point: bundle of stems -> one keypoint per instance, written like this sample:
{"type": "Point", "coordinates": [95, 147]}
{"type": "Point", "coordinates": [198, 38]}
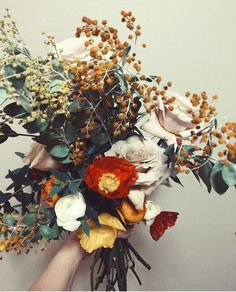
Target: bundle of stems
{"type": "Point", "coordinates": [114, 264]}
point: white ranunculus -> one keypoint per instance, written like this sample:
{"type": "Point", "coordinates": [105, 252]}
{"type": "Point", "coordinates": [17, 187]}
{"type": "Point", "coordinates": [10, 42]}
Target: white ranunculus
{"type": "Point", "coordinates": [148, 158]}
{"type": "Point", "coordinates": [68, 209]}
{"type": "Point", "coordinates": [166, 124]}
{"type": "Point", "coordinates": [152, 211]}
{"type": "Point", "coordinates": [137, 198]}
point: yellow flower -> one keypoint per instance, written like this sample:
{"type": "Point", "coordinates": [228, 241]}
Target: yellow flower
{"type": "Point", "coordinates": [103, 236]}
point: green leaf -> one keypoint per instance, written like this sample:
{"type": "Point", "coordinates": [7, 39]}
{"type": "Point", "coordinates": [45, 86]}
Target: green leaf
{"type": "Point", "coordinates": [85, 227]}
{"type": "Point", "coordinates": [55, 189]}
{"type": "Point", "coordinates": [100, 139]}
{"type": "Point", "coordinates": [37, 126]}
{"type": "Point", "coordinates": [60, 175]}
{"type": "Point", "coordinates": [229, 174]}
{"type": "Point", "coordinates": [74, 185]}
{"type": "Point", "coordinates": [25, 103]}
{"type": "Point", "coordinates": [71, 133]}
{"type": "Point", "coordinates": [10, 220]}
{"type": "Point", "coordinates": [60, 151]}
{"type": "Point", "coordinates": [55, 85]}
{"type": "Point", "coordinates": [20, 154]}
{"type": "Point", "coordinates": [217, 180]}
{"type": "Point", "coordinates": [57, 65]}
{"type": "Point", "coordinates": [4, 197]}
{"type": "Point", "coordinates": [14, 110]}
{"type": "Point", "coordinates": [3, 95]}
{"type": "Point", "coordinates": [204, 173]}
{"type": "Point", "coordinates": [49, 137]}
{"type": "Point", "coordinates": [30, 219]}
{"type": "Point", "coordinates": [49, 214]}
{"type": "Point", "coordinates": [47, 232]}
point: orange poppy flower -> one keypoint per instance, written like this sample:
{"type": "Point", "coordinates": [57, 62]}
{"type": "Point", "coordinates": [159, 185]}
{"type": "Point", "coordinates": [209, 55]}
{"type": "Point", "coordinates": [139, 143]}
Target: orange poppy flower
{"type": "Point", "coordinates": [111, 177]}
{"type": "Point", "coordinates": [46, 189]}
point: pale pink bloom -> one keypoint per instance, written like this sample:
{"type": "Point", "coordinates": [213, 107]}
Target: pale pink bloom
{"type": "Point", "coordinates": [166, 124]}
{"type": "Point", "coordinates": [40, 159]}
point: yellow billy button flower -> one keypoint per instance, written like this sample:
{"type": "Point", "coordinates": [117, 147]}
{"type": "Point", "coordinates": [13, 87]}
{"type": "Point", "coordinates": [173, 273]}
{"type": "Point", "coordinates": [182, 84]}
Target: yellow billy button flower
{"type": "Point", "coordinates": [103, 236]}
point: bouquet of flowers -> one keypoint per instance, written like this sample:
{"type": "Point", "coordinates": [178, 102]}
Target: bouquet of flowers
{"type": "Point", "coordinates": [106, 136]}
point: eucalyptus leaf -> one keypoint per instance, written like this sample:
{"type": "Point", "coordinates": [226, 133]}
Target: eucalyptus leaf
{"type": "Point", "coordinates": [70, 132]}
{"type": "Point", "coordinates": [48, 232]}
{"type": "Point", "coordinates": [3, 95]}
{"type": "Point", "coordinates": [14, 110]}
{"type": "Point", "coordinates": [30, 219]}
{"type": "Point", "coordinates": [4, 197]}
{"type": "Point", "coordinates": [55, 189]}
{"type": "Point", "coordinates": [10, 220]}
{"type": "Point", "coordinates": [85, 227]}
{"type": "Point", "coordinates": [204, 173]}
{"type": "Point", "coordinates": [25, 103]}
{"type": "Point", "coordinates": [20, 154]}
{"type": "Point", "coordinates": [60, 151]}
{"type": "Point", "coordinates": [216, 179]}
{"type": "Point", "coordinates": [56, 85]}
{"type": "Point", "coordinates": [74, 185]}
{"type": "Point", "coordinates": [37, 126]}
{"type": "Point", "coordinates": [60, 175]}
{"type": "Point", "coordinates": [229, 174]}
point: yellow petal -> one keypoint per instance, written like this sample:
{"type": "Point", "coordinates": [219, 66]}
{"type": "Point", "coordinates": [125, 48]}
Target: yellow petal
{"type": "Point", "coordinates": [109, 220]}
{"type": "Point", "coordinates": [103, 236]}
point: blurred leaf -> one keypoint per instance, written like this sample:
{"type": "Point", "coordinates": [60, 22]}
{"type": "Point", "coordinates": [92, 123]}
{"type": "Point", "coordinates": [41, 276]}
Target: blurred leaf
{"type": "Point", "coordinates": [229, 174]}
{"type": "Point", "coordinates": [49, 137]}
{"type": "Point", "coordinates": [85, 227]}
{"type": "Point", "coordinates": [56, 85]}
{"type": "Point", "coordinates": [70, 132]}
{"type": "Point", "coordinates": [59, 120]}
{"type": "Point", "coordinates": [60, 175]}
{"type": "Point", "coordinates": [3, 95]}
{"type": "Point", "coordinates": [25, 103]}
{"type": "Point", "coordinates": [14, 110]}
{"type": "Point", "coordinates": [57, 65]}
{"type": "Point", "coordinates": [60, 151]}
{"type": "Point", "coordinates": [20, 154]}
{"type": "Point", "coordinates": [47, 232]}
{"type": "Point", "coordinates": [10, 220]}
{"type": "Point", "coordinates": [204, 173]}
{"type": "Point", "coordinates": [30, 219]}
{"type": "Point", "coordinates": [55, 189]}
{"type": "Point", "coordinates": [126, 52]}
{"type": "Point", "coordinates": [74, 106]}
{"type": "Point", "coordinates": [37, 126]}
{"type": "Point", "coordinates": [74, 185]}
{"type": "Point", "coordinates": [49, 214]}
{"type": "Point", "coordinates": [4, 197]}
{"type": "Point", "coordinates": [216, 179]}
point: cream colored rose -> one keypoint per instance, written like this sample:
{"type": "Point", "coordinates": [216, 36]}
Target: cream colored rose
{"type": "Point", "coordinates": [68, 209]}
{"type": "Point", "coordinates": [40, 159]}
{"type": "Point", "coordinates": [152, 211]}
{"type": "Point", "coordinates": [166, 124]}
{"type": "Point", "coordinates": [74, 49]}
{"type": "Point", "coordinates": [148, 158]}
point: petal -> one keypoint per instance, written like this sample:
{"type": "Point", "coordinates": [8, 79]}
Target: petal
{"type": "Point", "coordinates": [103, 236]}
{"type": "Point", "coordinates": [70, 226]}
{"type": "Point", "coordinates": [137, 198]}
{"type": "Point", "coordinates": [111, 221]}
{"type": "Point", "coordinates": [152, 210]}
{"type": "Point", "coordinates": [153, 127]}
{"type": "Point", "coordinates": [162, 222]}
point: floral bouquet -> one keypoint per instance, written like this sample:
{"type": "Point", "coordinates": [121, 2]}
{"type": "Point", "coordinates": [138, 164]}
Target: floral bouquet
{"type": "Point", "coordinates": [106, 136]}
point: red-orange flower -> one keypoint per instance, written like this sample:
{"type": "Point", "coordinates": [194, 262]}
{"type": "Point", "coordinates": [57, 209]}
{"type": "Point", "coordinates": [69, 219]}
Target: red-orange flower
{"type": "Point", "coordinates": [46, 189]}
{"type": "Point", "coordinates": [111, 177]}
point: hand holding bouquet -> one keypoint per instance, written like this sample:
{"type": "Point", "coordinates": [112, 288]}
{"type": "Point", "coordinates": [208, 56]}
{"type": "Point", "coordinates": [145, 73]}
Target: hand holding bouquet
{"type": "Point", "coordinates": [105, 137]}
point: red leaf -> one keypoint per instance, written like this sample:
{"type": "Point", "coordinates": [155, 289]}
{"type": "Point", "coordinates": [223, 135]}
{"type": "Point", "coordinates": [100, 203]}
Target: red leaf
{"type": "Point", "coordinates": [162, 221]}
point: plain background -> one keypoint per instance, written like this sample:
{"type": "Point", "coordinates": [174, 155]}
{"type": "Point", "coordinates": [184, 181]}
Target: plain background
{"type": "Point", "coordinates": [192, 43]}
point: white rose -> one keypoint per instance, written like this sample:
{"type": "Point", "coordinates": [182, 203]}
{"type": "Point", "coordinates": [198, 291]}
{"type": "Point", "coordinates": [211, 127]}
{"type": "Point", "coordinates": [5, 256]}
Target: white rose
{"type": "Point", "coordinates": [166, 124]}
{"type": "Point", "coordinates": [74, 49]}
{"type": "Point", "coordinates": [68, 209]}
{"type": "Point", "coordinates": [149, 160]}
{"type": "Point", "coordinates": [152, 211]}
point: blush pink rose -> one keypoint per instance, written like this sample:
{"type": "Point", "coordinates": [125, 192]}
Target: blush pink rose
{"type": "Point", "coordinates": [166, 124]}
{"type": "Point", "coordinates": [40, 159]}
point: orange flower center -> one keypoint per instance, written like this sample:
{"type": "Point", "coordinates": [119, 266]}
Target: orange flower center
{"type": "Point", "coordinates": [108, 182]}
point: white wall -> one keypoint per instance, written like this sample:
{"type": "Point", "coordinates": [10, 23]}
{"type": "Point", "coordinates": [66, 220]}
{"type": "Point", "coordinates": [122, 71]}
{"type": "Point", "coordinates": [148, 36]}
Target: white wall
{"type": "Point", "coordinates": [192, 43]}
